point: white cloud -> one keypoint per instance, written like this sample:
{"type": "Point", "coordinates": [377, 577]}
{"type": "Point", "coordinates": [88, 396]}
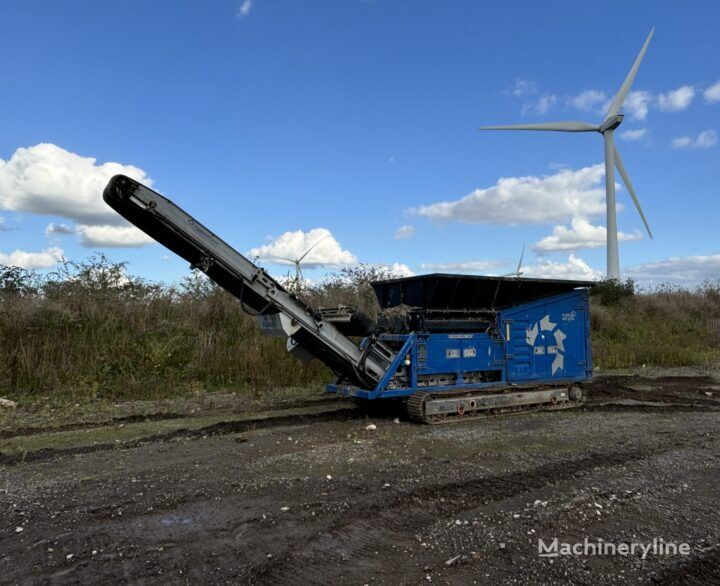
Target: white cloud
{"type": "Point", "coordinates": [291, 245]}
{"type": "Point", "coordinates": [676, 100]}
{"type": "Point", "coordinates": [470, 266]}
{"type": "Point", "coordinates": [704, 140]}
{"type": "Point", "coordinates": [689, 269]}
{"type": "Point", "coordinates": [244, 9]}
{"type": "Point", "coordinates": [574, 269]}
{"type": "Point", "coordinates": [522, 88]}
{"type": "Point", "coordinates": [404, 232]}
{"type": "Point", "coordinates": [712, 94]}
{"type": "Point", "coordinates": [636, 134]}
{"type": "Point", "coordinates": [46, 179]}
{"type": "Point", "coordinates": [637, 104]}
{"type": "Point", "coordinates": [682, 142]}
{"type": "Point", "coordinates": [588, 100]}
{"type": "Point", "coordinates": [527, 200]}
{"type": "Point", "coordinates": [58, 229]}
{"type": "Point", "coordinates": [32, 260]}
{"type": "Point", "coordinates": [580, 234]}
{"type": "Point", "coordinates": [400, 270]}
{"type": "Point", "coordinates": [541, 105]}
{"type": "Point", "coordinates": [112, 236]}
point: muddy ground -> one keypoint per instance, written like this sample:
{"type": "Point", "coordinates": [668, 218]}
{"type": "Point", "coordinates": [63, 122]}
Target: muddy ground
{"type": "Point", "coordinates": [309, 495]}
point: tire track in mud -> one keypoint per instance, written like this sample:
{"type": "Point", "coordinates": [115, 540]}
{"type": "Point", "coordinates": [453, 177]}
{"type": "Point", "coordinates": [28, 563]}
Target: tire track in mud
{"type": "Point", "coordinates": [701, 568]}
{"type": "Point", "coordinates": [220, 428]}
{"type": "Point", "coordinates": [648, 407]}
{"type": "Point", "coordinates": [140, 418]}
{"type": "Point", "coordinates": [374, 527]}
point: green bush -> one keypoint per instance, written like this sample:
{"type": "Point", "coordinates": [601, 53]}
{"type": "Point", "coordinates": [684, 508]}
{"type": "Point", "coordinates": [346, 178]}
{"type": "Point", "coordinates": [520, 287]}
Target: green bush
{"type": "Point", "coordinates": [90, 329]}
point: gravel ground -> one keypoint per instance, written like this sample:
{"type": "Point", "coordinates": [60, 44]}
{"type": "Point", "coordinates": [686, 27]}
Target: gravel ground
{"type": "Point", "coordinates": [313, 496]}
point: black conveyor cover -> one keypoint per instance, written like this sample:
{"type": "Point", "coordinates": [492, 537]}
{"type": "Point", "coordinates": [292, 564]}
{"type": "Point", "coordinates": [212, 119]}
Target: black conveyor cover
{"type": "Point", "coordinates": [468, 292]}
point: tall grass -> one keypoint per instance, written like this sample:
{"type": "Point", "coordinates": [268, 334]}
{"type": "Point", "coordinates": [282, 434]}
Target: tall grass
{"type": "Point", "coordinates": [667, 326]}
{"type": "Point", "coordinates": [91, 330]}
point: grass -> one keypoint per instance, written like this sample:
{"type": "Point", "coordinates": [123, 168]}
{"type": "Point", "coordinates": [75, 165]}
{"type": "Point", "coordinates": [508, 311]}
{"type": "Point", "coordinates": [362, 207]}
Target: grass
{"type": "Point", "coordinates": [91, 331]}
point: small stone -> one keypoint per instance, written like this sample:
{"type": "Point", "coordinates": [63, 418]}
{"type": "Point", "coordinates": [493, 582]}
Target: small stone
{"type": "Point", "coordinates": [19, 529]}
{"type": "Point", "coordinates": [329, 477]}
{"type": "Point", "coordinates": [396, 420]}
{"type": "Point", "coordinates": [69, 556]}
{"type": "Point", "coordinates": [371, 427]}
{"type": "Point", "coordinates": [284, 509]}
{"type": "Point", "coordinates": [516, 516]}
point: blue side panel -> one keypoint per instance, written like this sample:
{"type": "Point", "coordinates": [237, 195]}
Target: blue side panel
{"type": "Point", "coordinates": [543, 342]}
{"type": "Point", "coordinates": [548, 339]}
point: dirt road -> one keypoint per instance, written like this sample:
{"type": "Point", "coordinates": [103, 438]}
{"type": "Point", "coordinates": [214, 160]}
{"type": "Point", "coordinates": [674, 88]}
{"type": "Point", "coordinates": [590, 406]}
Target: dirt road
{"type": "Point", "coordinates": [311, 496]}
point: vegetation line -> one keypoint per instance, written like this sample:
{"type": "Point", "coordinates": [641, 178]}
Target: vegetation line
{"type": "Point", "coordinates": [91, 330]}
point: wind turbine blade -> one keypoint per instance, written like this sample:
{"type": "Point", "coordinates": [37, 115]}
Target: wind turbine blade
{"type": "Point", "coordinates": [627, 84]}
{"type": "Point", "coordinates": [626, 180]}
{"type": "Point", "coordinates": [272, 257]}
{"type": "Point", "coordinates": [568, 126]}
{"type": "Point", "coordinates": [520, 262]}
{"type": "Point", "coordinates": [313, 246]}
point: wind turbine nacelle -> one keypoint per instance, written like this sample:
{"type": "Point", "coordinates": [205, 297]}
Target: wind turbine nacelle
{"type": "Point", "coordinates": [612, 123]}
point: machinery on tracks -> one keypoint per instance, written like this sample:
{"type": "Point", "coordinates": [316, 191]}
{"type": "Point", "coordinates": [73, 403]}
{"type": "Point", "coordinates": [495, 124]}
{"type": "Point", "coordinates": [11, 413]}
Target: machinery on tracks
{"type": "Point", "coordinates": [449, 347]}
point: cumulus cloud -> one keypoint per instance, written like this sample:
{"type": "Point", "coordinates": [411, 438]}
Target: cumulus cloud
{"type": "Point", "coordinates": [326, 251]}
{"type": "Point", "coordinates": [541, 105]}
{"type": "Point", "coordinates": [469, 266]}
{"type": "Point", "coordinates": [636, 134]}
{"type": "Point", "coordinates": [689, 269]}
{"type": "Point", "coordinates": [574, 269]}
{"type": "Point", "coordinates": [32, 260]}
{"type": "Point", "coordinates": [580, 234]}
{"type": "Point", "coordinates": [704, 140]}
{"type": "Point", "coordinates": [676, 100]}
{"type": "Point", "coordinates": [637, 104]}
{"type": "Point", "coordinates": [527, 200]}
{"type": "Point", "coordinates": [46, 179]}
{"type": "Point", "coordinates": [399, 269]}
{"type": "Point", "coordinates": [588, 100]}
{"type": "Point", "coordinates": [53, 229]}
{"type": "Point", "coordinates": [712, 94]}
{"type": "Point", "coordinates": [244, 9]}
{"type": "Point", "coordinates": [404, 232]}
{"type": "Point", "coordinates": [112, 236]}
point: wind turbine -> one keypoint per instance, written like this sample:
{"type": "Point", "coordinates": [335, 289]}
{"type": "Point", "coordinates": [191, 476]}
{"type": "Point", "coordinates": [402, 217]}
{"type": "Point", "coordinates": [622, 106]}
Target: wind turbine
{"type": "Point", "coordinates": [607, 127]}
{"type": "Point", "coordinates": [297, 261]}
{"type": "Point", "coordinates": [518, 270]}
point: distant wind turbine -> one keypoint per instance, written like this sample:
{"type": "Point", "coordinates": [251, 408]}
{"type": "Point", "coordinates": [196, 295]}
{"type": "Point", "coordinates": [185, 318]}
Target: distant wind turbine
{"type": "Point", "coordinates": [518, 270]}
{"type": "Point", "coordinates": [607, 127]}
{"type": "Point", "coordinates": [297, 261]}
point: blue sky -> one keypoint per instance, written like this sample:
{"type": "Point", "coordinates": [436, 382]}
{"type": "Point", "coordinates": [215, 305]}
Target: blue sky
{"type": "Point", "coordinates": [348, 116]}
